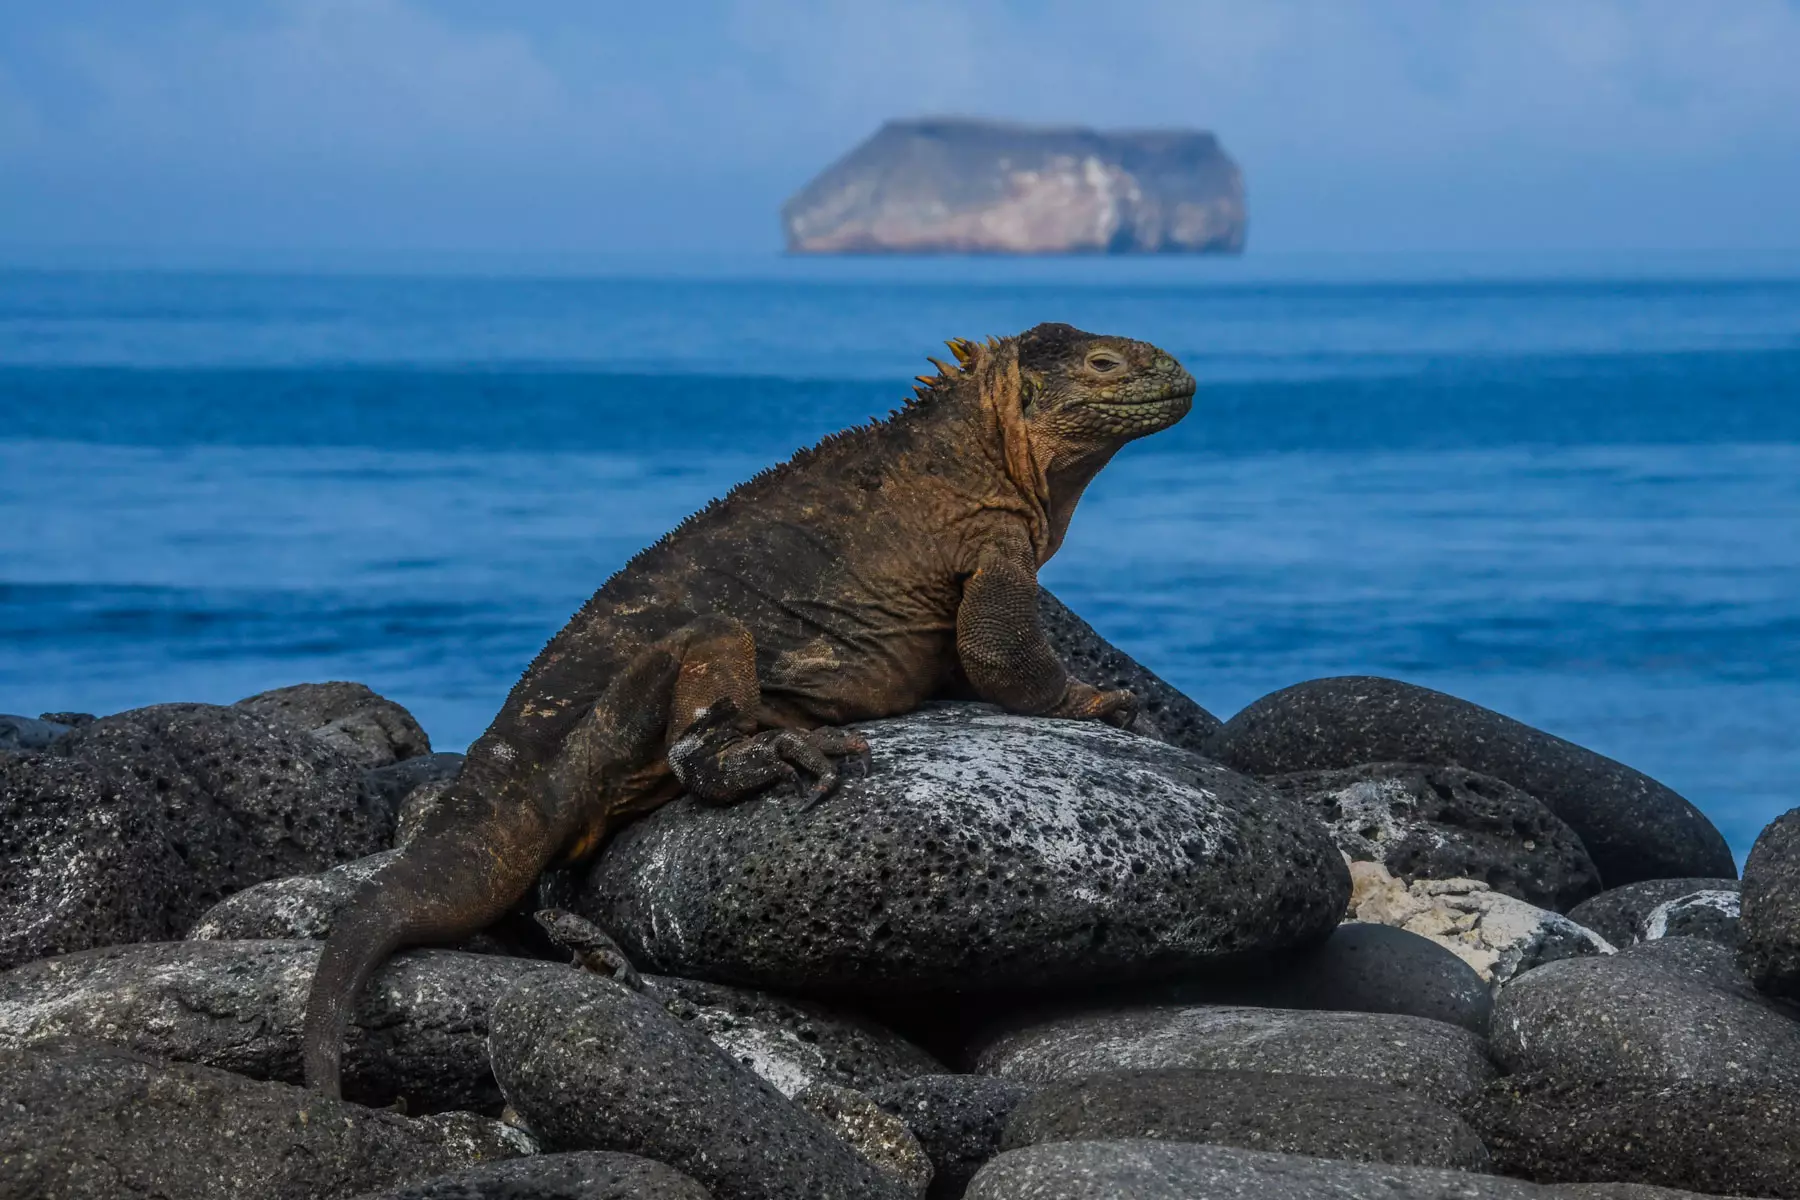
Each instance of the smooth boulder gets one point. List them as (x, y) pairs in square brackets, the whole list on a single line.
[(792, 1043), (1672, 1010), (354, 718), (958, 1119), (1633, 827), (1770, 923), (1623, 915), (1351, 1119), (1141, 1169), (295, 906), (580, 1175), (984, 853), (1434, 822), (103, 1122), (591, 1065), (1728, 1139), (1163, 711), (1361, 967), (418, 1031), (1442, 1062)]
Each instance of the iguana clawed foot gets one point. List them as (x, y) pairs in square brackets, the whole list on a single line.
[(593, 949), (1083, 702), (718, 763)]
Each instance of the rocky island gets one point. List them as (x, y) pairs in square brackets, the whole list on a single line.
[(947, 185)]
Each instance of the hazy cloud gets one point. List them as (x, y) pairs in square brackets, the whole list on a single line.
[(582, 126)]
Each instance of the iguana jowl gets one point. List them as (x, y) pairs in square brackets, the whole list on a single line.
[(889, 564)]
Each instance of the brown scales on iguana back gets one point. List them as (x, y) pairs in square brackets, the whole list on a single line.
[(865, 575)]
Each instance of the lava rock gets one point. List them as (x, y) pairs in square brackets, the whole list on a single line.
[(244, 798), (418, 1030), (1770, 926), (1621, 915), (792, 1044), (958, 1119), (1359, 968), (591, 1065), (1711, 916), (368, 727), (84, 860), (986, 852), (1498, 936), (1674, 1009), (1293, 1114), (580, 1175), (299, 906), (20, 734), (1151, 1170), (93, 1122), (397, 781), (1732, 1139), (1163, 712), (1633, 827), (1425, 822), (1442, 1062), (877, 1135)]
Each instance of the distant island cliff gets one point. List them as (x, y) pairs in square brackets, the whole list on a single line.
[(964, 186)]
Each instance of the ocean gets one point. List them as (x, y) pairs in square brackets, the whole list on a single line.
[(1569, 491)]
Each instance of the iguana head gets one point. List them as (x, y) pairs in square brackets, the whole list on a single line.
[(1081, 392)]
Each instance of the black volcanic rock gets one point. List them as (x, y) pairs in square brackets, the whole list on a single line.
[(984, 853), (962, 186), (1633, 827), (1164, 712)]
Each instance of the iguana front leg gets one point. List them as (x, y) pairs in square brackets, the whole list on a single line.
[(1003, 650)]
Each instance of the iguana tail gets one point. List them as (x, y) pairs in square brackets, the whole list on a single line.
[(447, 883)]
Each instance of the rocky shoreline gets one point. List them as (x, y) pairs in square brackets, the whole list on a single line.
[(1361, 939)]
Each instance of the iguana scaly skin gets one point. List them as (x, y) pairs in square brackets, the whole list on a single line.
[(890, 564)]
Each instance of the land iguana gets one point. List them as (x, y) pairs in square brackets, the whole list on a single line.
[(890, 564)]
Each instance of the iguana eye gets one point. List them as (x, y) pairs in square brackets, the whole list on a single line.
[(1104, 361)]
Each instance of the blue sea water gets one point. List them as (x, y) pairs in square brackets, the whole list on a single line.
[(1570, 494)]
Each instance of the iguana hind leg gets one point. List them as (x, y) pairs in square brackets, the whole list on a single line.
[(718, 754), (498, 829)]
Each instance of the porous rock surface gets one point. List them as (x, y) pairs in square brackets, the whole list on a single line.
[(244, 798), (367, 726), (418, 1030), (1729, 1139), (591, 1065), (1163, 711), (1676, 1009), (985, 852), (1143, 1169), (1426, 822), (1640, 911), (92, 1122), (1498, 936), (958, 1119), (1292, 1114), (878, 1135), (1633, 827), (1360, 968), (295, 906), (1770, 925), (1442, 1062), (579, 1175), (84, 860), (792, 1043)]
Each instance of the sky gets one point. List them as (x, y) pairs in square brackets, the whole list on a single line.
[(586, 126)]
